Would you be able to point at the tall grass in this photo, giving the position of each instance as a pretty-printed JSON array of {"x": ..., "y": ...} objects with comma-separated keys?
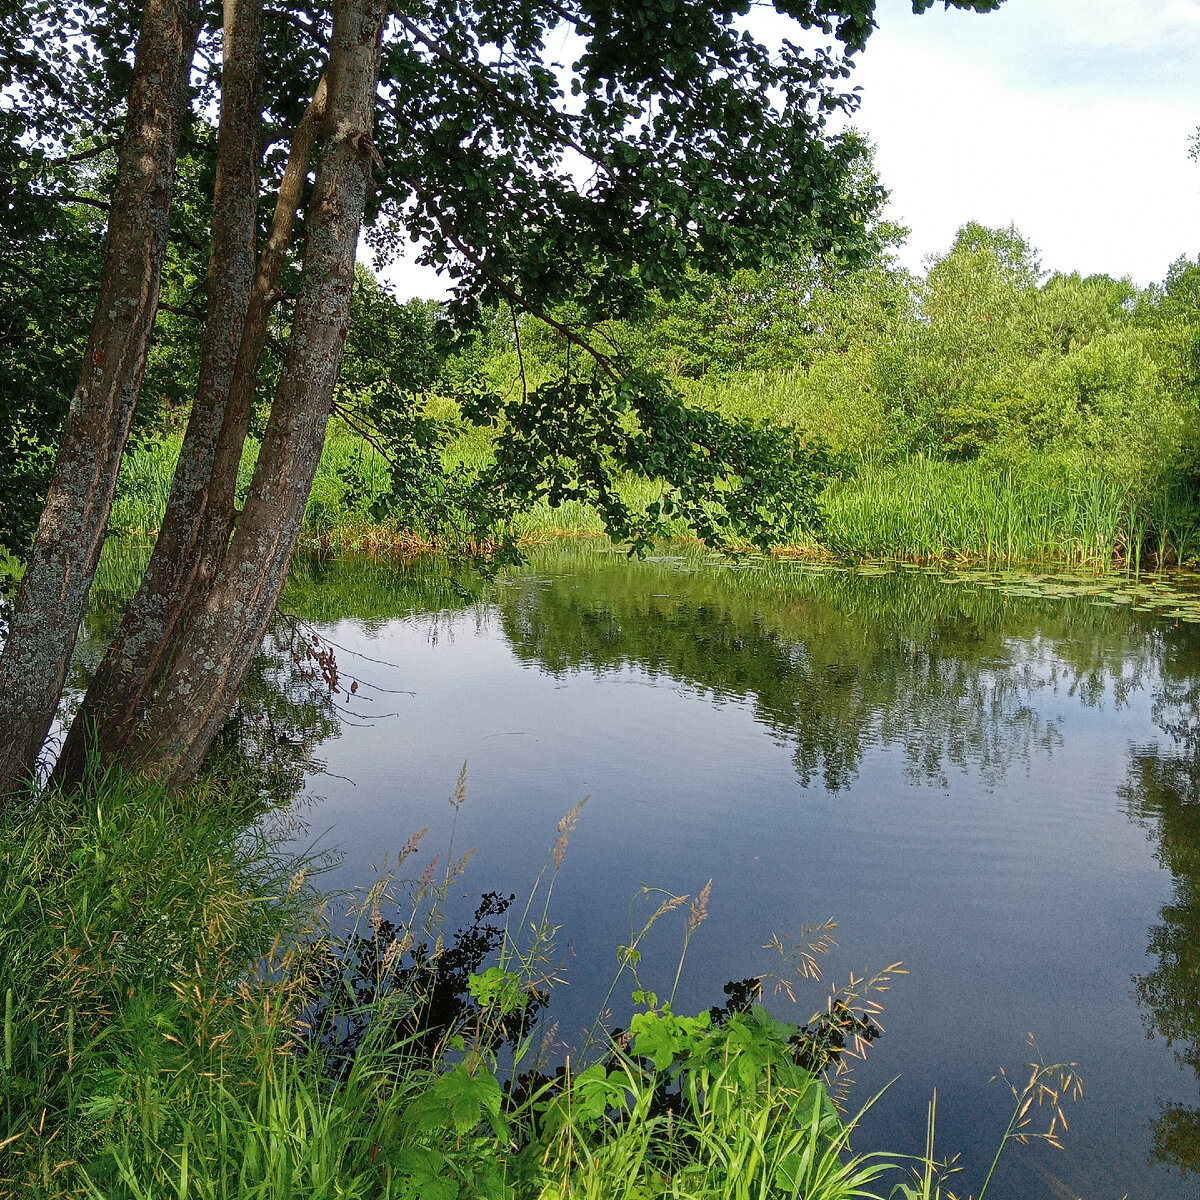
[
  {"x": 172, "y": 1027},
  {"x": 143, "y": 486},
  {"x": 144, "y": 483},
  {"x": 127, "y": 924},
  {"x": 1040, "y": 508},
  {"x": 352, "y": 475},
  {"x": 1047, "y": 510}
]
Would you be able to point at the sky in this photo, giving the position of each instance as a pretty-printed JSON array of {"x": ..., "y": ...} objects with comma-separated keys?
[{"x": 1069, "y": 118}]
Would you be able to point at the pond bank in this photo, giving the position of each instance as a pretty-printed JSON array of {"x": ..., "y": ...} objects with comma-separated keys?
[
  {"x": 182, "y": 1016},
  {"x": 1044, "y": 509},
  {"x": 890, "y": 745}
]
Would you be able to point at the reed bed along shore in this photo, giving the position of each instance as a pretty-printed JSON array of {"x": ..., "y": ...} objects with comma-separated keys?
[{"x": 1043, "y": 509}]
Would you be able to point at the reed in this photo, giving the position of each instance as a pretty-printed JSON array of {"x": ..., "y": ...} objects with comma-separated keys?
[
  {"x": 143, "y": 486},
  {"x": 1045, "y": 510},
  {"x": 127, "y": 922},
  {"x": 1037, "y": 508}
]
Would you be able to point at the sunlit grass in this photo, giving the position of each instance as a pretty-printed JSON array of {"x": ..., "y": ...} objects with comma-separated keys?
[
  {"x": 1037, "y": 509},
  {"x": 1046, "y": 511}
]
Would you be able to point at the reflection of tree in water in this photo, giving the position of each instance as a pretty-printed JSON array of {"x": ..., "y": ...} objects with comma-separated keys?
[
  {"x": 375, "y": 591},
  {"x": 1162, "y": 791},
  {"x": 831, "y": 664},
  {"x": 284, "y": 713},
  {"x": 835, "y": 663}
]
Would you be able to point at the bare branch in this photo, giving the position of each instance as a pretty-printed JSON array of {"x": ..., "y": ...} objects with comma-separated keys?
[{"x": 193, "y": 313}]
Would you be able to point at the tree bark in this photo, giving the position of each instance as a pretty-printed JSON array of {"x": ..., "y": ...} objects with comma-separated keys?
[
  {"x": 225, "y": 631},
  {"x": 134, "y": 660},
  {"x": 70, "y": 534},
  {"x": 254, "y": 337},
  {"x": 132, "y": 668}
]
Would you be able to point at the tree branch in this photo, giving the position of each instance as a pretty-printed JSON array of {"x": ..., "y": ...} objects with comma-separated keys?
[
  {"x": 194, "y": 314},
  {"x": 508, "y": 290},
  {"x": 82, "y": 155},
  {"x": 79, "y": 198},
  {"x": 480, "y": 77}
]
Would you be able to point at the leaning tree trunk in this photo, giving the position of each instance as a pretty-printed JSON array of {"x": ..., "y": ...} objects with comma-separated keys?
[
  {"x": 225, "y": 631},
  {"x": 134, "y": 658},
  {"x": 222, "y": 495},
  {"x": 57, "y": 580},
  {"x": 132, "y": 668}
]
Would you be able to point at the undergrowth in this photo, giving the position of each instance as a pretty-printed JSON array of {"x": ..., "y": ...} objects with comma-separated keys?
[{"x": 1042, "y": 508}]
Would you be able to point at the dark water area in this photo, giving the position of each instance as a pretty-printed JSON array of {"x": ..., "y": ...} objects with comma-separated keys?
[{"x": 992, "y": 780}]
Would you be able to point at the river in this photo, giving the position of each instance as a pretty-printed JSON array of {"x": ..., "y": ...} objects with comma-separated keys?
[{"x": 993, "y": 778}]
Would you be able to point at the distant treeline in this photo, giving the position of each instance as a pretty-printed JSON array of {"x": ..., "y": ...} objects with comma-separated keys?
[
  {"x": 1047, "y": 390},
  {"x": 986, "y": 408}
]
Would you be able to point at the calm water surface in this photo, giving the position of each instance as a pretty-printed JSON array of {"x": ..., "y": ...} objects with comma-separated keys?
[{"x": 998, "y": 789}]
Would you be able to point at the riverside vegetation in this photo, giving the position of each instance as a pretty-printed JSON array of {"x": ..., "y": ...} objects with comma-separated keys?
[
  {"x": 184, "y": 1016},
  {"x": 981, "y": 412},
  {"x": 175, "y": 1017},
  {"x": 984, "y": 411}
]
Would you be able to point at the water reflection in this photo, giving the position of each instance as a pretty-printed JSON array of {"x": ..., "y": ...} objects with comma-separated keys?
[
  {"x": 960, "y": 680},
  {"x": 835, "y": 662},
  {"x": 283, "y": 716},
  {"x": 1163, "y": 793},
  {"x": 970, "y": 689}
]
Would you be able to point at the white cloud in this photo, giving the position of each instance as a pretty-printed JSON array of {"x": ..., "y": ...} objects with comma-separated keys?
[
  {"x": 1089, "y": 164},
  {"x": 1133, "y": 47},
  {"x": 1121, "y": 24}
]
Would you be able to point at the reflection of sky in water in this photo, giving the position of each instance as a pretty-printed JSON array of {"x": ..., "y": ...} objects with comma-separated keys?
[{"x": 1018, "y": 902}]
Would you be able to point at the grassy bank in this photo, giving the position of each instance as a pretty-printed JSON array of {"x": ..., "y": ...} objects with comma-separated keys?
[
  {"x": 1040, "y": 508},
  {"x": 182, "y": 1017},
  {"x": 984, "y": 410}
]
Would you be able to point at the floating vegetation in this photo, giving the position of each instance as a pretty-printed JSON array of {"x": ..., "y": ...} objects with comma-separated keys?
[{"x": 1176, "y": 595}]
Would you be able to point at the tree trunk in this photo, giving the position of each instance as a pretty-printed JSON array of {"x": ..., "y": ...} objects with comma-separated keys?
[
  {"x": 225, "y": 631},
  {"x": 71, "y": 531},
  {"x": 135, "y": 658},
  {"x": 129, "y": 675}
]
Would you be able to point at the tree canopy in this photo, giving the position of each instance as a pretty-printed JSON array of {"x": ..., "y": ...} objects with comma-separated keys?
[{"x": 573, "y": 159}]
